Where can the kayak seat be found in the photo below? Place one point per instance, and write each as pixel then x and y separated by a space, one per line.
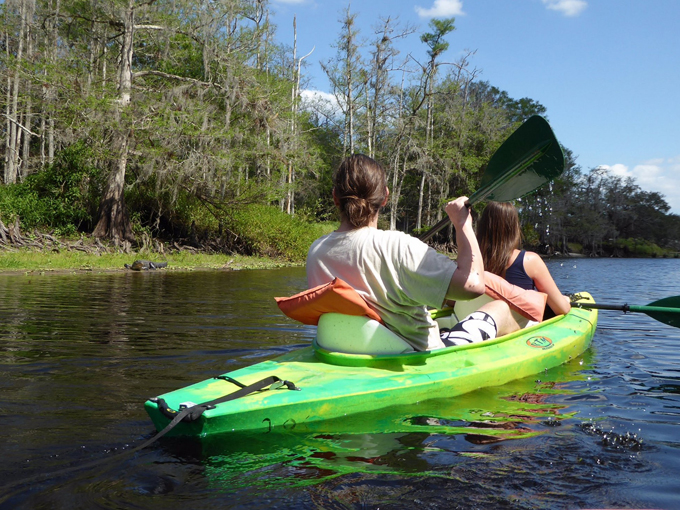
pixel 357 334
pixel 464 308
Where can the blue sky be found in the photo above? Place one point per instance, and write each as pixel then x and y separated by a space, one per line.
pixel 608 71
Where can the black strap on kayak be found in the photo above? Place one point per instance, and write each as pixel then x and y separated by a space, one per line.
pixel 230 379
pixel 195 411
pixel 184 414
pixel 274 386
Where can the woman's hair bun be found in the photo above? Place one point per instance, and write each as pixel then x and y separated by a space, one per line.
pixel 360 187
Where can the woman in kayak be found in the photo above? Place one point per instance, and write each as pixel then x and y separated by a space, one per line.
pixel 500 236
pixel 397 274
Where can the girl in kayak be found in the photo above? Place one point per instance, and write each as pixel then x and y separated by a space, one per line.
pixel 397 274
pixel 500 236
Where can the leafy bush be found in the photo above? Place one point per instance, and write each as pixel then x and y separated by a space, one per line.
pixel 634 247
pixel 270 232
pixel 575 247
pixel 63 197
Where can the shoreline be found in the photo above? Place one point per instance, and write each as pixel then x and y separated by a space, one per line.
pixel 39 263
pixel 92 257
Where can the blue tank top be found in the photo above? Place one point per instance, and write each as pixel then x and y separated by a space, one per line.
pixel 516 274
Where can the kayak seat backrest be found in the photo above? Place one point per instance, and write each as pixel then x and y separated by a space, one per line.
pixel 356 334
pixel 464 308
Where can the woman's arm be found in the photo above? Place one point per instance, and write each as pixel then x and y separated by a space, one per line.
pixel 539 273
pixel 467 281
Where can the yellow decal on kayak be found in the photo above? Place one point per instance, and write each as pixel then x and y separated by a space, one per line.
pixel 540 342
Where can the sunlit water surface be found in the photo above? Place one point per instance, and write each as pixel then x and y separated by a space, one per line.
pixel 79 355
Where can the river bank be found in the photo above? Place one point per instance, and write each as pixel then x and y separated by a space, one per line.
pixel 51 255
pixel 40 253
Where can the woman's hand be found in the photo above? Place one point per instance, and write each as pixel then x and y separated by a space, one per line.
pixel 458 213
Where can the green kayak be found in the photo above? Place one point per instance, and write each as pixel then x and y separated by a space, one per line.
pixel 315 384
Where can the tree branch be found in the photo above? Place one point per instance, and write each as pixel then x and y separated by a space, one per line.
pixel 25 129
pixel 175 77
pixel 150 27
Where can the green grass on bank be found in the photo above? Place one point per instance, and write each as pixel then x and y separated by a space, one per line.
pixel 73 261
pixel 264 236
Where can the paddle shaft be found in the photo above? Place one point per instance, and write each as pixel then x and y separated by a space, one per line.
pixel 439 225
pixel 494 184
pixel 627 308
pixel 667 314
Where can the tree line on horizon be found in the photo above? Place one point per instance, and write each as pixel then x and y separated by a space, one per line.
pixel 183 118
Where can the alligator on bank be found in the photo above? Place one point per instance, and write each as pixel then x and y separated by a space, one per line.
pixel 143 265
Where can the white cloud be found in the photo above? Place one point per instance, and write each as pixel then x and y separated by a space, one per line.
pixel 441 9
pixel 317 95
pixel 659 175
pixel 323 103
pixel 567 7
pixel 618 169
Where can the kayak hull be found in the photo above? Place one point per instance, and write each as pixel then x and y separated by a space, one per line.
pixel 332 385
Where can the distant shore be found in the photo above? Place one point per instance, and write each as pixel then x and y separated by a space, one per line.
pixel 73 261
pixel 47 255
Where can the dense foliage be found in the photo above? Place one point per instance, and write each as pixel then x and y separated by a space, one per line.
pixel 183 119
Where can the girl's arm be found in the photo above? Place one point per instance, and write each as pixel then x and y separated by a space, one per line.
pixel 539 273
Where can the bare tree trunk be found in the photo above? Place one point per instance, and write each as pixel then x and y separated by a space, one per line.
pixel 23 169
pixel 269 157
pixel 47 114
pixel 397 180
pixel 294 108
pixel 350 88
pixel 94 48
pixel 429 204
pixel 293 101
pixel 428 147
pixel 369 117
pixel 265 50
pixel 8 101
pixel 419 220
pixel 14 136
pixel 396 190
pixel 113 218
pixel 104 60
pixel 291 197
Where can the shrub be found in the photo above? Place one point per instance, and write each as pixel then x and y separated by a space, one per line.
pixel 636 247
pixel 270 232
pixel 575 247
pixel 64 196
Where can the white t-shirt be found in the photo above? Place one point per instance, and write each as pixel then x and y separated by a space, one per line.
pixel 397 274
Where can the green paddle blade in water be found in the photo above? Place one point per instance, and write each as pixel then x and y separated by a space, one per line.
pixel 666 310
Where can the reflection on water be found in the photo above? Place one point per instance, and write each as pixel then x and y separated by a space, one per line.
pixel 79 355
pixel 424 439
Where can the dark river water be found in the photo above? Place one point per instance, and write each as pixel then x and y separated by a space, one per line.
pixel 79 355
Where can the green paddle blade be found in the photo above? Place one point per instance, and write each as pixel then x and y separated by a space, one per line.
pixel 666 310
pixel 528 159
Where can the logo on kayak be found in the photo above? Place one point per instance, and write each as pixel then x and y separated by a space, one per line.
pixel 540 342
